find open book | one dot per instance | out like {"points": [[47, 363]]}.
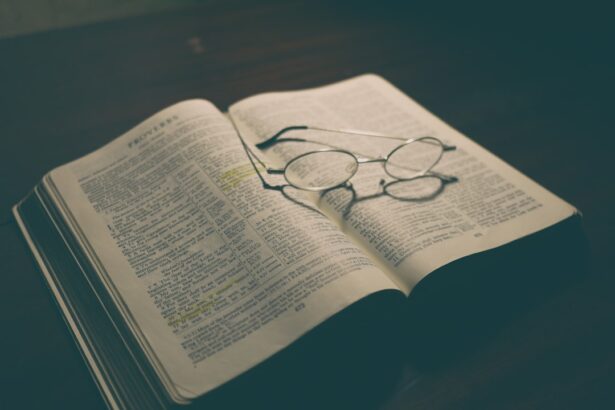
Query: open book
{"points": [[177, 271]]}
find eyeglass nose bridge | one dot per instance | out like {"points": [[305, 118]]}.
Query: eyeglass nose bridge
{"points": [[370, 160]]}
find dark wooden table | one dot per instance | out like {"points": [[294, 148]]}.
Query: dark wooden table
{"points": [[533, 84]]}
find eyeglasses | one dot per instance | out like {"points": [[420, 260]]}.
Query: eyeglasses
{"points": [[410, 164]]}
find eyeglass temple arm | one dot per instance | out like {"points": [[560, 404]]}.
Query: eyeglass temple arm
{"points": [[358, 132], [251, 154], [274, 139], [269, 170], [445, 178], [445, 147]]}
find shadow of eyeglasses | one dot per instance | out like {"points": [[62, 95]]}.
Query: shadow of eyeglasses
{"points": [[385, 190]]}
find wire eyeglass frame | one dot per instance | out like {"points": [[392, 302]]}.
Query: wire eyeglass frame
{"points": [[359, 159]]}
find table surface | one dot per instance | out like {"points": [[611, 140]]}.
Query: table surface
{"points": [[532, 84]]}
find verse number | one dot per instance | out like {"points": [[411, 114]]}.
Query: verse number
{"points": [[299, 307]]}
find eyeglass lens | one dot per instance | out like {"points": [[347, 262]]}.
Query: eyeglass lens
{"points": [[321, 170], [414, 158]]}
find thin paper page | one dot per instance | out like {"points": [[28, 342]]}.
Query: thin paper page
{"points": [[217, 272], [490, 205]]}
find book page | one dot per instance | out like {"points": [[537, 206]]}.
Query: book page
{"points": [[490, 205], [215, 273]]}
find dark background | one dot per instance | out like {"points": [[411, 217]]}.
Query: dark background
{"points": [[532, 82]]}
